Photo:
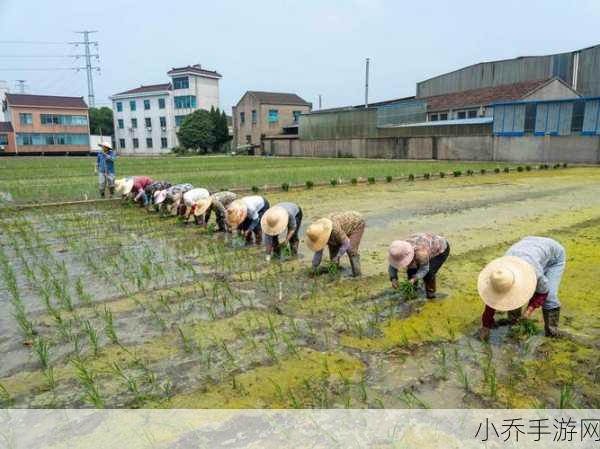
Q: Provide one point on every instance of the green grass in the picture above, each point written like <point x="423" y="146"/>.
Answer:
<point x="46" y="179"/>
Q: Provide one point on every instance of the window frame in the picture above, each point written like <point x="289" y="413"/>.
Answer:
<point x="119" y="106"/>
<point x="273" y="116"/>
<point x="162" y="104"/>
<point x="120" y="123"/>
<point x="132" y="105"/>
<point x="121" y="143"/>
<point x="134" y="123"/>
<point x="149" y="142"/>
<point x="147" y="104"/>
<point x="28" y="116"/>
<point x="185" y="102"/>
<point x="162" y="121"/>
<point x="148" y="122"/>
<point x="164" y="142"/>
<point x="135" y="142"/>
<point x="177" y="82"/>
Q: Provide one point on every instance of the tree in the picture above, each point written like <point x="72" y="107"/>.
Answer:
<point x="197" y="132"/>
<point x="221" y="129"/>
<point x="101" y="121"/>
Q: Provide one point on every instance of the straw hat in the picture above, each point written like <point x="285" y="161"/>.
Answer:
<point x="274" y="221"/>
<point x="401" y="254"/>
<point x="121" y="184"/>
<point x="127" y="186"/>
<point x="202" y="206"/>
<point x="105" y="145"/>
<point x="160" y="196"/>
<point x="507" y="283"/>
<point x="318" y="234"/>
<point x="236" y="213"/>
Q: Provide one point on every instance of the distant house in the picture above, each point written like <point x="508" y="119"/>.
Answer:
<point x="45" y="124"/>
<point x="148" y="117"/>
<point x="266" y="114"/>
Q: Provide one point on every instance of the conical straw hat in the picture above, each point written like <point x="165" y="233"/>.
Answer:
<point x="236" y="213"/>
<point x="202" y="206"/>
<point x="318" y="234"/>
<point x="274" y="221"/>
<point x="507" y="283"/>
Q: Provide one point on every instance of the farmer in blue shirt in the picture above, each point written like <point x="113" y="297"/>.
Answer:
<point x="105" y="167"/>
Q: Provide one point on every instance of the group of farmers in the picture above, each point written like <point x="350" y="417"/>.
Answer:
<point x="529" y="274"/>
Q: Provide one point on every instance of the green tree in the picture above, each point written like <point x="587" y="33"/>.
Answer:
<point x="221" y="129"/>
<point x="197" y="132"/>
<point x="101" y="121"/>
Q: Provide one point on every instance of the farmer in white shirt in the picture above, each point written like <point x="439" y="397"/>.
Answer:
<point x="191" y="198"/>
<point x="245" y="214"/>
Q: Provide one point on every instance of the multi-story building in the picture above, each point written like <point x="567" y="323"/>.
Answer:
<point x="44" y="124"/>
<point x="147" y="118"/>
<point x="261" y="114"/>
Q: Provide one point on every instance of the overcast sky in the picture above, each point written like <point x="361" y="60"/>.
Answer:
<point x="309" y="47"/>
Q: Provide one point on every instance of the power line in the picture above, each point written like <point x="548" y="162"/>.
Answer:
<point x="89" y="67"/>
<point x="36" y="56"/>
<point x="40" y="69"/>
<point x="32" y="42"/>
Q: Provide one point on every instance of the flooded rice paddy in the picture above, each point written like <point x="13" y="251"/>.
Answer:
<point x="110" y="306"/>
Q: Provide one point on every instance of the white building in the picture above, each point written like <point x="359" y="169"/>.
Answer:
<point x="147" y="118"/>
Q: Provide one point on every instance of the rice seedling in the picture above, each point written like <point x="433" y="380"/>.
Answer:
<point x="483" y="171"/>
<point x="362" y="385"/>
<point x="457" y="173"/>
<point x="463" y="377"/>
<point x="525" y="327"/>
<point x="92" y="336"/>
<point x="411" y="399"/>
<point x="354" y="181"/>
<point x="388" y="178"/>
<point x="333" y="182"/>
<point x="566" y="396"/>
<point x="442" y="175"/>
<point x="497" y="170"/>
<point x="255" y="189"/>
<point x="167" y="389"/>
<point x="49" y="374"/>
<point x="285" y="187"/>
<point x="371" y="180"/>
<point x="506" y="170"/>
<point x="309" y="184"/>
<point x="427" y="176"/>
<point x="5" y="398"/>
<point x="408" y="290"/>
<point x="293" y="400"/>
<point x="131" y="383"/>
<point x="520" y="169"/>
<point x="271" y="350"/>
<point x="185" y="341"/>
<point x="109" y="327"/>
<point x="87" y="379"/>
<point x="411" y="177"/>
<point x="40" y="346"/>
<point x="470" y="172"/>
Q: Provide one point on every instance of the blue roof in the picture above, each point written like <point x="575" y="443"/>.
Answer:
<point x="462" y="121"/>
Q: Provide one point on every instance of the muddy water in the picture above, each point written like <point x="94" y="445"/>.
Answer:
<point x="203" y="324"/>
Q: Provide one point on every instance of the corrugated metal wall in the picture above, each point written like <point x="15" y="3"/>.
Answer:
<point x="588" y="79"/>
<point x="356" y="123"/>
<point x="591" y="118"/>
<point x="409" y="111"/>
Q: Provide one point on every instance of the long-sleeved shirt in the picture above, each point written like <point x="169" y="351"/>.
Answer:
<point x="344" y="225"/>
<point x="191" y="197"/>
<point x="105" y="162"/>
<point x="220" y="201"/>
<point x="253" y="204"/>
<point x="156" y="186"/>
<point x="292" y="210"/>
<point x="426" y="246"/>
<point x="540" y="253"/>
<point x="177" y="189"/>
<point x="140" y="183"/>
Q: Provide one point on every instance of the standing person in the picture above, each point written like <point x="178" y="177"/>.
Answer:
<point x="217" y="202"/>
<point x="105" y="167"/>
<point x="245" y="214"/>
<point x="279" y="218"/>
<point x="341" y="233"/>
<point x="156" y="186"/>
<point x="134" y="189"/>
<point x="422" y="255"/>
<point x="529" y="273"/>
<point x="190" y="202"/>
<point x="164" y="199"/>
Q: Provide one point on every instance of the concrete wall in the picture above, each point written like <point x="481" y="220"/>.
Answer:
<point x="552" y="91"/>
<point x="585" y="149"/>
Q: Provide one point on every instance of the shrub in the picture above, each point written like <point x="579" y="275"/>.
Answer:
<point x="179" y="150"/>
<point x="411" y="177"/>
<point x="528" y="167"/>
<point x="354" y="181"/>
<point x="497" y="170"/>
<point x="310" y="184"/>
<point x="565" y="165"/>
<point x="333" y="182"/>
<point x="442" y="174"/>
<point x="388" y="179"/>
<point x="543" y="166"/>
<point x="371" y="180"/>
<point x="556" y="166"/>
<point x="482" y="171"/>
<point x="426" y="175"/>
<point x="457" y="173"/>
<point x="519" y="168"/>
<point x="285" y="187"/>
<point x="470" y="172"/>
<point x="255" y="189"/>
<point x="506" y="169"/>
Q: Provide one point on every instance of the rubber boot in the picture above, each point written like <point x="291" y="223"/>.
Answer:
<point x="355" y="264"/>
<point x="430" y="288"/>
<point x="551" y="319"/>
<point x="276" y="248"/>
<point x="101" y="193"/>
<point x="111" y="191"/>
<point x="294" y="247"/>
<point x="258" y="237"/>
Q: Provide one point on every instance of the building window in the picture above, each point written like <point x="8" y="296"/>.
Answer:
<point x="273" y="115"/>
<point x="45" y="139"/>
<point x="444" y="116"/>
<point x="185" y="101"/>
<point x="433" y="118"/>
<point x="181" y="82"/>
<point x="136" y="142"/>
<point x="296" y="115"/>
<point x="163" y="142"/>
<point x="3" y="139"/>
<point x="121" y="143"/>
<point x="530" y="117"/>
<point x="119" y="106"/>
<point x="179" y="119"/>
<point x="161" y="103"/>
<point x="148" y="122"/>
<point x="25" y="118"/>
<point x="134" y="123"/>
<point x="132" y="105"/>
<point x="65" y="120"/>
<point x="120" y="123"/>
<point x="254" y="117"/>
<point x="146" y="105"/>
<point x="472" y="113"/>
<point x="163" y="122"/>
<point x="577" y="117"/>
<point x="242" y="118"/>
<point x="149" y="142"/>
<point x="461" y="114"/>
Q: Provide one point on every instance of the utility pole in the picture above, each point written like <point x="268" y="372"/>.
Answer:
<point x="21" y="86"/>
<point x="367" y="84"/>
<point x="89" y="67"/>
<point x="320" y="102"/>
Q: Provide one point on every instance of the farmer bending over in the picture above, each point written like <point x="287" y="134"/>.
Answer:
<point x="148" y="197"/>
<point x="245" y="214"/>
<point x="190" y="202"/>
<point x="164" y="199"/>
<point x="218" y="202"/>
<point x="105" y="167"/>
<point x="134" y="188"/>
<point x="530" y="272"/>
<point x="341" y="233"/>
<point x="281" y="217"/>
<point x="422" y="255"/>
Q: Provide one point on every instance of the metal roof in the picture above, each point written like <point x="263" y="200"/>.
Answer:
<point x="6" y="127"/>
<point x="195" y="69"/>
<point x="465" y="121"/>
<point x="46" y="101"/>
<point x="278" y="98"/>
<point x="148" y="88"/>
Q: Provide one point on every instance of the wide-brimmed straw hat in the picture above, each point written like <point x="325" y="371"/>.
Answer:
<point x="202" y="206"/>
<point x="105" y="145"/>
<point x="236" y="213"/>
<point x="160" y="196"/>
<point x="400" y="254"/>
<point x="507" y="283"/>
<point x="121" y="184"/>
<point x="318" y="234"/>
<point x="127" y="186"/>
<point x="274" y="221"/>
